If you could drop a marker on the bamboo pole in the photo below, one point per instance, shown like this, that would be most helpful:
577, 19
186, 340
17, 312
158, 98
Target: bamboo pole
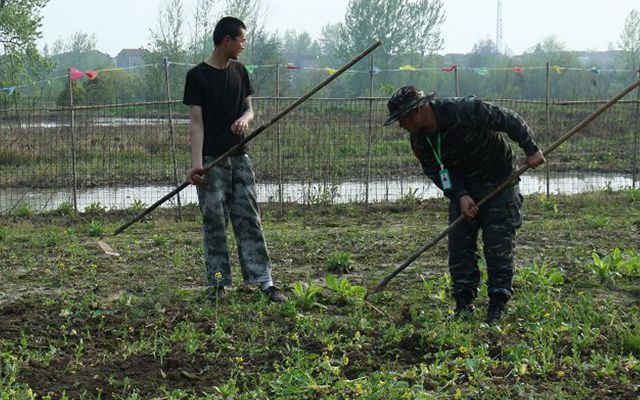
167, 86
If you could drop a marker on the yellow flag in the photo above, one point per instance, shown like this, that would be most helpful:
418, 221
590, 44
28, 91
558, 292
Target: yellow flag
407, 68
330, 71
558, 69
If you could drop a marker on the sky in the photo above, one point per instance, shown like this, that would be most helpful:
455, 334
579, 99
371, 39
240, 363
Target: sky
579, 24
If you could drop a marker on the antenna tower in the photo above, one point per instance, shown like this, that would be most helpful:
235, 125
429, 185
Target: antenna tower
499, 28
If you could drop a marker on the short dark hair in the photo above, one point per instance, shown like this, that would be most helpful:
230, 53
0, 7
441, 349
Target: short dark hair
227, 26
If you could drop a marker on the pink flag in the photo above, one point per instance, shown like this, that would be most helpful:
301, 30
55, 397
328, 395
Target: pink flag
91, 75
517, 69
448, 69
75, 74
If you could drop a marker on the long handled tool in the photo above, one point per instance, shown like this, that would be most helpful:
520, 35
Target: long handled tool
504, 185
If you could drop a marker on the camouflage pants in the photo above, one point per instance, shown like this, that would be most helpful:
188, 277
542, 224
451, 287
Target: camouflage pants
498, 220
230, 193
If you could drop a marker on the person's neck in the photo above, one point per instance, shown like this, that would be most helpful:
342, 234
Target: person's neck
429, 117
218, 60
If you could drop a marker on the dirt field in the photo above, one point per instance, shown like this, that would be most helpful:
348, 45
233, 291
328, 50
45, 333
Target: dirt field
78, 323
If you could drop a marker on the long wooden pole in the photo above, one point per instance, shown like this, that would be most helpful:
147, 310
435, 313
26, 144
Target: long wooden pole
255, 133
505, 184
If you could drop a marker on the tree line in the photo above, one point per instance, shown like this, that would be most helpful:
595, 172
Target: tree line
411, 32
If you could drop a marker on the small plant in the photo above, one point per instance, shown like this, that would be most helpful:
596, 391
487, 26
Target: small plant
542, 274
137, 206
350, 293
95, 208
64, 209
95, 228
323, 196
631, 343
549, 204
52, 239
25, 210
606, 268
4, 233
340, 262
159, 240
410, 197
306, 294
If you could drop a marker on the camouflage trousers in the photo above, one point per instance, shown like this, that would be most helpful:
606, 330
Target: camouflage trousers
230, 194
498, 220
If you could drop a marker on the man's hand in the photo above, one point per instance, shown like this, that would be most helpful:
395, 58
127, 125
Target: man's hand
240, 125
195, 175
536, 159
468, 207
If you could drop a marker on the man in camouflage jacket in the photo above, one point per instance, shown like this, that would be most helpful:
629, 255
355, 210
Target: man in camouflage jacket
458, 144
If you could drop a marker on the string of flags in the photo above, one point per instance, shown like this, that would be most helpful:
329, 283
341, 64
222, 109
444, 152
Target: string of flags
76, 74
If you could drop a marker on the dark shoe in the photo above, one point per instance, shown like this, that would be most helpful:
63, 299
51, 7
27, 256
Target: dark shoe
215, 293
497, 305
464, 308
274, 294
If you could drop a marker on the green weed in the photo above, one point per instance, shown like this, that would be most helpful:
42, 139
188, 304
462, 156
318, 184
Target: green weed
95, 228
352, 294
306, 294
340, 262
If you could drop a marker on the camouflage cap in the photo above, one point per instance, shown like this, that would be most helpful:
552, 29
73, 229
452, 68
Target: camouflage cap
404, 100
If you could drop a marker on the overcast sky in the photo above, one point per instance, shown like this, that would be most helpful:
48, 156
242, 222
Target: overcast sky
580, 24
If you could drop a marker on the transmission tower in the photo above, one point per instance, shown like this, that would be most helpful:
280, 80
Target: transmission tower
499, 28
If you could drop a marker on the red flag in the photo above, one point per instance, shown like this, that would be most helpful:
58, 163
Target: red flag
448, 69
291, 66
75, 74
91, 75
517, 69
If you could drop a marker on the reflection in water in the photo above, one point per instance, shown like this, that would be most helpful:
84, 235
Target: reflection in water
124, 197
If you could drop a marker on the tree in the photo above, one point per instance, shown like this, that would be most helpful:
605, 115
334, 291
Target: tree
20, 60
201, 43
630, 39
404, 26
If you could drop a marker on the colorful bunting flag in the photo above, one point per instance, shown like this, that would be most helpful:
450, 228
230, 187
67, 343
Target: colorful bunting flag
518, 70
375, 70
450, 68
8, 90
407, 68
250, 68
75, 74
558, 69
481, 71
291, 66
91, 75
595, 70
330, 71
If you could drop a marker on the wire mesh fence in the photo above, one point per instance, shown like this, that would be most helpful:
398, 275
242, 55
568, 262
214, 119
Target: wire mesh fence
328, 150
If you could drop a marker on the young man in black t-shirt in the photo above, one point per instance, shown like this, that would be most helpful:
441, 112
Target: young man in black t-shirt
218, 92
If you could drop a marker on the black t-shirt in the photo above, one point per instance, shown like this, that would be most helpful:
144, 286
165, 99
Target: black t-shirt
221, 94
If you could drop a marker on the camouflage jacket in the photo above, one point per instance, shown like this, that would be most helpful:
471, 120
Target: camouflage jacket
476, 155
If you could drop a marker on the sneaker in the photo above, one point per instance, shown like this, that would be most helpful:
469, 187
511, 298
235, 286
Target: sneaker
274, 294
497, 305
215, 293
464, 308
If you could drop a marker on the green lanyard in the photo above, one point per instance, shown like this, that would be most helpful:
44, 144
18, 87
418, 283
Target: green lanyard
437, 154
445, 179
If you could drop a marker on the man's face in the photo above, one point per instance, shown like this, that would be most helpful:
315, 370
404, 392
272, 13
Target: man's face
409, 122
236, 45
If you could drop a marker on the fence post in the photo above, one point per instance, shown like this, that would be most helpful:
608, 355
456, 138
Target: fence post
369, 134
635, 136
74, 174
455, 74
167, 86
279, 143
548, 113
